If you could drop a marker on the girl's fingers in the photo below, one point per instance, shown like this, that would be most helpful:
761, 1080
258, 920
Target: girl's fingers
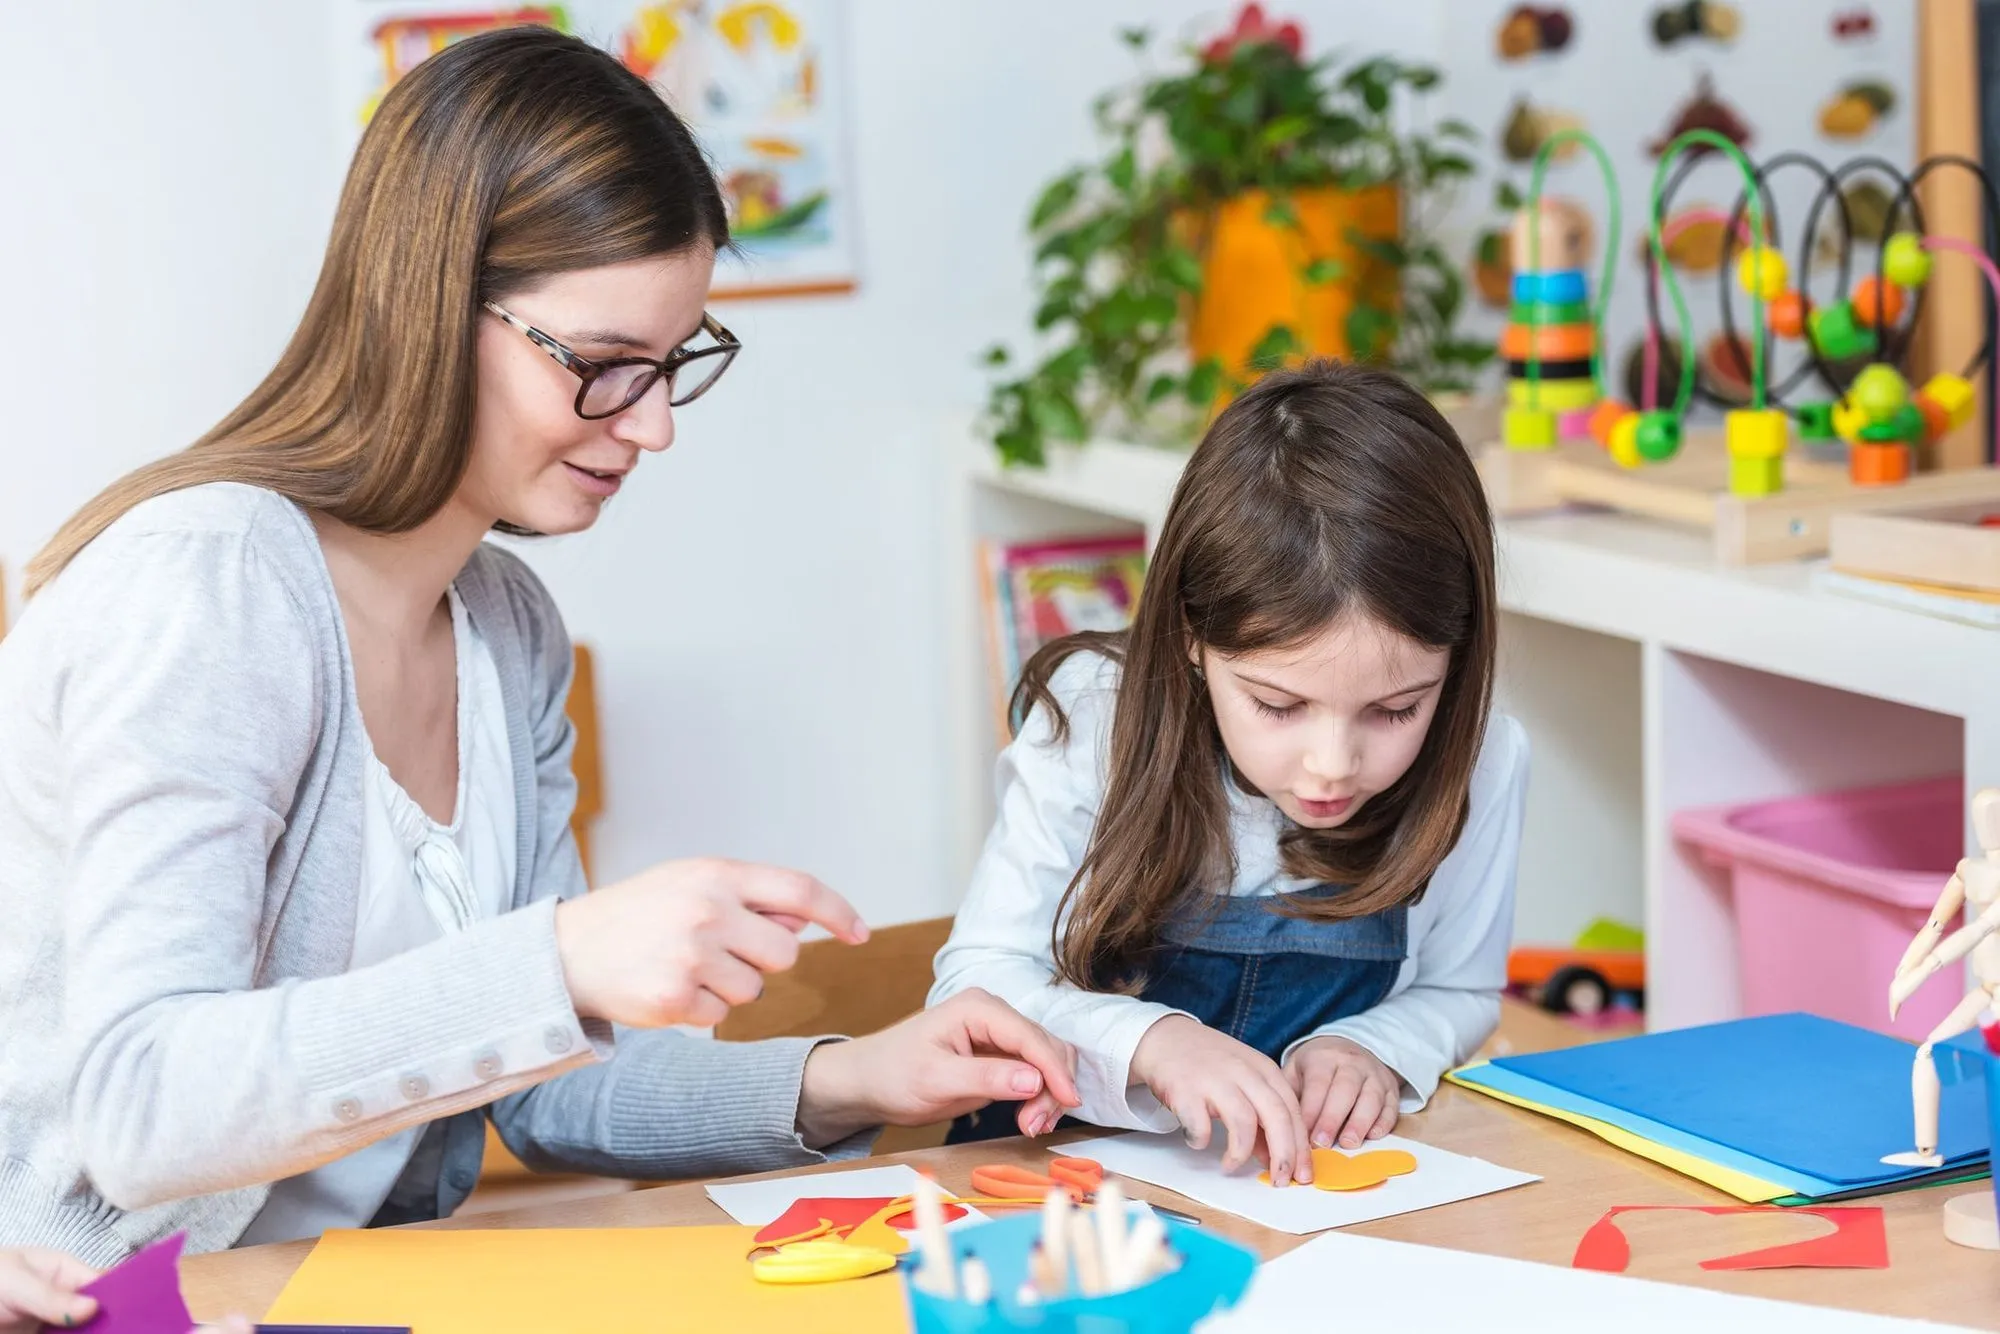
1284, 1131
1367, 1107
1239, 1115
1340, 1096
1386, 1122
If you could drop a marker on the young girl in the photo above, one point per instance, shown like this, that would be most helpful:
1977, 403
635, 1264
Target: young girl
1255, 856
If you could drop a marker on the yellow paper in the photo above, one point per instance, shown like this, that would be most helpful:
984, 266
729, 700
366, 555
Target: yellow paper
573, 1280
1726, 1179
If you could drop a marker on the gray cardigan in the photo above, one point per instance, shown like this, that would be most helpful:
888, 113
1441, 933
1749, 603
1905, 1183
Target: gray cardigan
181, 761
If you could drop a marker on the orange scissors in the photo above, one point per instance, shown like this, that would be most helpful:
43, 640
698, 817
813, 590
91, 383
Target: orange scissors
1078, 1177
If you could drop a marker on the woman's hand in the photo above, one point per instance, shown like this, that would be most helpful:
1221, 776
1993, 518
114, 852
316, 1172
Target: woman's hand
39, 1287
683, 942
953, 1058
1201, 1076
1345, 1092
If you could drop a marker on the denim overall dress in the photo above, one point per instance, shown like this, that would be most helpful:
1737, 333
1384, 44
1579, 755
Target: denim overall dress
1264, 977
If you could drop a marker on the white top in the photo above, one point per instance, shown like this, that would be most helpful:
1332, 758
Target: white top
1446, 997
420, 879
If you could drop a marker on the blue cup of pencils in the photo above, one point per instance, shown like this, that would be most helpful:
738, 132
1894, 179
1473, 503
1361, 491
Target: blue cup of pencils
1112, 1269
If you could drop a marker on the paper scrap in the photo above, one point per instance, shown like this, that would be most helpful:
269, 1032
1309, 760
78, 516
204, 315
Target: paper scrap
598, 1280
143, 1295
845, 1214
1375, 1284
1859, 1240
1165, 1160
762, 1202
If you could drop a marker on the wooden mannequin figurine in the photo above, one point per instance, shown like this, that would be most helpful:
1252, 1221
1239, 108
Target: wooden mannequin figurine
1976, 884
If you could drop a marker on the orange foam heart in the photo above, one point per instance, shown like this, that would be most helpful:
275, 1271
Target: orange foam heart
1334, 1170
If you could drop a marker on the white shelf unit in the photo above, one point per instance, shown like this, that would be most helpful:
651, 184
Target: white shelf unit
1649, 680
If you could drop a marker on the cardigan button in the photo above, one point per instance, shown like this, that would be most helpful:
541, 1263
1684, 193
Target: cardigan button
558, 1039
416, 1088
347, 1109
487, 1065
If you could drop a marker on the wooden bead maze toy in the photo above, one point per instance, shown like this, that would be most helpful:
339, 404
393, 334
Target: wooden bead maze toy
1762, 498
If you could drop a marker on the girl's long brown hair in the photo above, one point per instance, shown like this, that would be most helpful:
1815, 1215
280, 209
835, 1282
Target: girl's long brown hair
1322, 491
504, 159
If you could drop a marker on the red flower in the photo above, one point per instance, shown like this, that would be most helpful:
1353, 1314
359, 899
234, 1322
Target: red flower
1252, 29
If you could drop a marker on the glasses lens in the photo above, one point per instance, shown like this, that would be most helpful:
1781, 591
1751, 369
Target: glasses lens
618, 387
695, 376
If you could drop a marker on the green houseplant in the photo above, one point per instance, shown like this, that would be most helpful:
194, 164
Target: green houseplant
1244, 133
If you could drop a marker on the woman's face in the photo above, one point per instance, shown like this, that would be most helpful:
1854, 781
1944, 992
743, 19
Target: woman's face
535, 463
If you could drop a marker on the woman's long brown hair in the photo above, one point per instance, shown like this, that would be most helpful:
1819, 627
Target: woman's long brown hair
1323, 491
502, 160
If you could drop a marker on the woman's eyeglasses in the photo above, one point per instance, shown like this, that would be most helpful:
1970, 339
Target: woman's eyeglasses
616, 383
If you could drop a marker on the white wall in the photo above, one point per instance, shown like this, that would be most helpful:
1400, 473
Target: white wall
767, 600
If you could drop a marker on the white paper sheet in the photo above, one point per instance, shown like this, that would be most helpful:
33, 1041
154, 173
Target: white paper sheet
1388, 1285
755, 1203
1166, 1160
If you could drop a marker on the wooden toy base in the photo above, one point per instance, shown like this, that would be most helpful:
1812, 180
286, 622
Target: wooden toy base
1969, 1220
1692, 488
1943, 545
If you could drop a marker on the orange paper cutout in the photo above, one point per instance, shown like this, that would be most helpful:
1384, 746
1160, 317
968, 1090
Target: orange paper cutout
1858, 1241
809, 1218
1334, 1170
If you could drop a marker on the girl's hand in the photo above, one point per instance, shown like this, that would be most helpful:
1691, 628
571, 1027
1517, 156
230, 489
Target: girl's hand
39, 1287
1344, 1092
683, 942
1201, 1076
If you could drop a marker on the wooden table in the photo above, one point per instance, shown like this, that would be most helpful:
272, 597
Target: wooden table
1582, 1178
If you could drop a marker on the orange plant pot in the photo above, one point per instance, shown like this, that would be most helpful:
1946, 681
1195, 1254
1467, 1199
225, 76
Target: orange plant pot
1253, 270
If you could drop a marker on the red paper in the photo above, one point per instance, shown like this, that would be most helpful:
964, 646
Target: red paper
1859, 1240
844, 1214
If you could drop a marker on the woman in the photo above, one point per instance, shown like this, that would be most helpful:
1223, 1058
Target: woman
284, 768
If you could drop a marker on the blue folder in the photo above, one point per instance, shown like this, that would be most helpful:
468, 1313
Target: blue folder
1820, 1098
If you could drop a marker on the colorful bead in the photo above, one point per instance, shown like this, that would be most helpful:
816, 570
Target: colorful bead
1937, 420
1659, 435
1905, 261
1606, 415
1848, 419
1878, 465
1557, 288
1954, 395
1761, 271
1865, 303
1904, 427
1815, 421
1754, 433
1879, 391
1755, 439
1549, 312
1787, 314
1573, 424
1555, 395
1836, 333
1528, 428
1623, 445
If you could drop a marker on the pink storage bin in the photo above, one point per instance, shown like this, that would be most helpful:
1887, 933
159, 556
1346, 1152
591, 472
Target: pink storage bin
1828, 892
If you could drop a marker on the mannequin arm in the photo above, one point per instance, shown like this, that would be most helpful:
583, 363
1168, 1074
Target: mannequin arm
1948, 905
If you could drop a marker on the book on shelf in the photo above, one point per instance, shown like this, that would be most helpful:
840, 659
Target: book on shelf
1970, 606
1035, 592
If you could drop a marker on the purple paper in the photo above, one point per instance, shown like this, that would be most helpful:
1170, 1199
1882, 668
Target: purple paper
143, 1295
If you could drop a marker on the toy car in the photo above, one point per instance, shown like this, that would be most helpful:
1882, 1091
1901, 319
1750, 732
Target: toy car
1568, 980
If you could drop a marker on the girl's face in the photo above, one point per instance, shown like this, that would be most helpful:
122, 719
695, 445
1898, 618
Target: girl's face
535, 463
1322, 726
